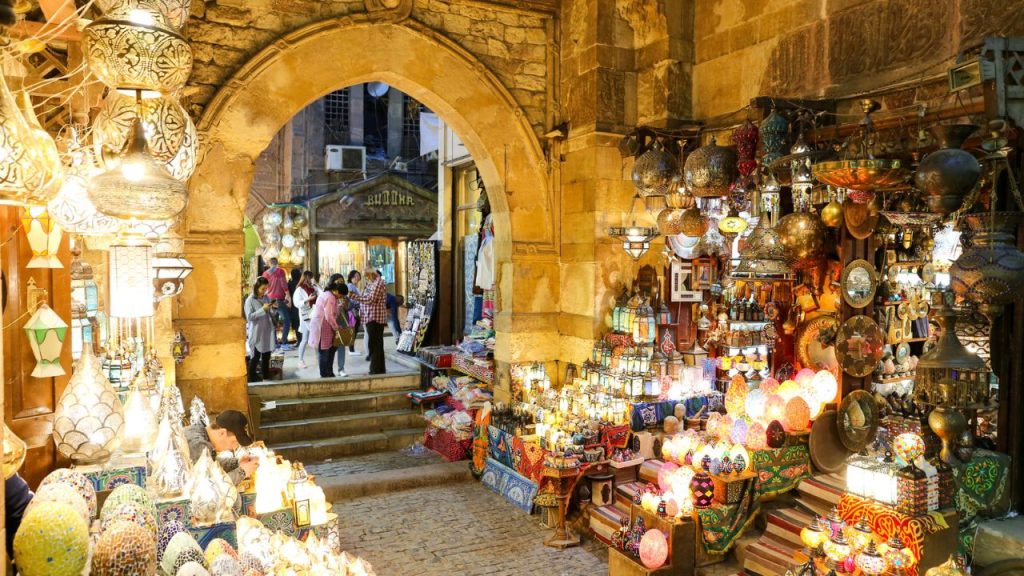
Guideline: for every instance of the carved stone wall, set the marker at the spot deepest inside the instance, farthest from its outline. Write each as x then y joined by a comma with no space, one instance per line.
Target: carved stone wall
831,48
513,44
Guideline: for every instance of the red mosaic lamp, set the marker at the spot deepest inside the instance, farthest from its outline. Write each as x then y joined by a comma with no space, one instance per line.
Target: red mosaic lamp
703,488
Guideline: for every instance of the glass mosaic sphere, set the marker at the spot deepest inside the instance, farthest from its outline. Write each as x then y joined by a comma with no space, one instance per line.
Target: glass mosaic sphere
769,385
130,493
192,568
798,414
63,493
756,438
78,481
53,540
219,547
653,549
167,531
128,512
826,386
225,566
908,447
181,549
124,549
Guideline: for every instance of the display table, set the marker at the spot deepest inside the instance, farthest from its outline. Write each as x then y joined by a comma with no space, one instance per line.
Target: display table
563,480
934,533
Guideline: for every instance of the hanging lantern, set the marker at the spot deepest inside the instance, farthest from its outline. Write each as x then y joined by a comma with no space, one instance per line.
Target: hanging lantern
636,237
656,171
167,125
22,172
81,329
131,292
46,333
179,348
45,151
130,49
72,208
169,273
176,11
990,272
44,236
710,171
139,187
83,287
89,418
14,452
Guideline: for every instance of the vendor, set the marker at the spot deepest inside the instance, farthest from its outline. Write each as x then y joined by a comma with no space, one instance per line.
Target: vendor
226,432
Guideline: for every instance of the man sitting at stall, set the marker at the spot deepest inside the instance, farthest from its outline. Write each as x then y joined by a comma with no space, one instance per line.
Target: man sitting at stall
226,432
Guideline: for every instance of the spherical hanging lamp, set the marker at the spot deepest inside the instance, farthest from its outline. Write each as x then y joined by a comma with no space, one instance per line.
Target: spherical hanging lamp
164,120
656,171
89,417
176,11
710,171
139,187
71,208
132,49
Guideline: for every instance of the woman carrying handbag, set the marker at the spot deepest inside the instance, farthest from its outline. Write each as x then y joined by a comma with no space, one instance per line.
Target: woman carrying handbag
323,325
345,335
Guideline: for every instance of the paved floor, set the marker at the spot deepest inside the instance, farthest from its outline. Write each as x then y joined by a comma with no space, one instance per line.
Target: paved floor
370,463
462,529
355,362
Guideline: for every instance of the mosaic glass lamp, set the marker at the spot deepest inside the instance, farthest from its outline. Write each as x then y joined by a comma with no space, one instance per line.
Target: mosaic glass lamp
53,540
89,417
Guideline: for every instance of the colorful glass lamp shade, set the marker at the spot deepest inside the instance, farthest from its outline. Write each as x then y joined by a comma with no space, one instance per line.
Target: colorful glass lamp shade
870,561
654,549
44,236
139,187
908,447
131,291
46,333
169,273
813,535
130,49
89,417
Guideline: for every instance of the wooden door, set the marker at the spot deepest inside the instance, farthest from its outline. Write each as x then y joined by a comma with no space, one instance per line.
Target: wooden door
29,402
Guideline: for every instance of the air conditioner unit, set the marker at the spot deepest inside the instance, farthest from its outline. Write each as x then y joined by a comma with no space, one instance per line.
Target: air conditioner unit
401,166
345,158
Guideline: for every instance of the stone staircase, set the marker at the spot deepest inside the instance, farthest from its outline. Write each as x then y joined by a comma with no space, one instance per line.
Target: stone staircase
316,420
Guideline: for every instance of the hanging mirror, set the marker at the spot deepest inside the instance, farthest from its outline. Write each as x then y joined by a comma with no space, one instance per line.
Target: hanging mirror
859,283
857,420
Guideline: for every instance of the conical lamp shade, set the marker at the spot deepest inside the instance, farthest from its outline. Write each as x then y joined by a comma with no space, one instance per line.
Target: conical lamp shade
169,461
46,333
45,151
139,187
89,418
21,174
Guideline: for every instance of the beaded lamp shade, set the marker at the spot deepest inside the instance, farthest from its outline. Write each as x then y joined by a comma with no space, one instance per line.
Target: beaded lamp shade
130,49
89,417
167,125
140,187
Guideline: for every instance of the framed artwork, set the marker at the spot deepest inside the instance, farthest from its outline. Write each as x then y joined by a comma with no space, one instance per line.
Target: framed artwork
684,287
703,274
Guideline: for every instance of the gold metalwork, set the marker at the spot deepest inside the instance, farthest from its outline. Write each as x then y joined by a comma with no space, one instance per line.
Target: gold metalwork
859,345
858,283
858,420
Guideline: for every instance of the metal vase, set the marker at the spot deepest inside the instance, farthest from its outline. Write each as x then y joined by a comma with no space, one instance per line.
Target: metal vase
947,175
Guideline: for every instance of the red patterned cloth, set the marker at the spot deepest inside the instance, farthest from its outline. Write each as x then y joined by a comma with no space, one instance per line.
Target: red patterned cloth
529,458
886,521
444,443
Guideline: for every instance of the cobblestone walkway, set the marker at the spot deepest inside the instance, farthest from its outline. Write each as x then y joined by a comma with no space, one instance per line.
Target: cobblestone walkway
457,530
370,463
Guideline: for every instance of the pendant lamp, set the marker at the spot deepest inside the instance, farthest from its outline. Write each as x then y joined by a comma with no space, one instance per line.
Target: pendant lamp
22,176
44,236
89,417
46,333
167,125
45,151
139,187
71,208
131,291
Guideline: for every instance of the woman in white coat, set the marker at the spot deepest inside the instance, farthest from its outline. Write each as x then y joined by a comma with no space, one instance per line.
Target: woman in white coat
304,299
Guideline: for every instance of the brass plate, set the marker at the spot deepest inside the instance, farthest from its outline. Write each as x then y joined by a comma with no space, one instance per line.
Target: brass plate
858,283
857,420
859,346
828,453
809,350
903,311
866,174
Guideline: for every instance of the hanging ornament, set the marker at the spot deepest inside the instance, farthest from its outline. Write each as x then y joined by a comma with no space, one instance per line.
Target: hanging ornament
46,333
166,123
45,151
710,171
656,171
23,175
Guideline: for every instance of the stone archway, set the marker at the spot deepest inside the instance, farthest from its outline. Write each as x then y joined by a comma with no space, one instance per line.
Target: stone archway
285,77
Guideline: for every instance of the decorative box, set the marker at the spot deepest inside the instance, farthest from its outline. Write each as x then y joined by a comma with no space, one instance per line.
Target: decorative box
626,463
625,493
179,509
116,472
248,503
329,532
283,520
204,533
729,487
919,493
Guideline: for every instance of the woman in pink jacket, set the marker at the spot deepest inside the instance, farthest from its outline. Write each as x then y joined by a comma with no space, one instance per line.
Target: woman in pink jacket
324,323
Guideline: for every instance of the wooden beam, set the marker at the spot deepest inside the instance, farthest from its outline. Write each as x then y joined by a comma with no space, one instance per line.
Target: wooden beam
58,12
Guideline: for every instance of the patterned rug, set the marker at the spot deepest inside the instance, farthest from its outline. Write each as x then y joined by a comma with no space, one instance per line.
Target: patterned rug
509,484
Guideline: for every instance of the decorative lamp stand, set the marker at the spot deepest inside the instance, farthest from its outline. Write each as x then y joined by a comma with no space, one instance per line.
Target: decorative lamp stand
564,479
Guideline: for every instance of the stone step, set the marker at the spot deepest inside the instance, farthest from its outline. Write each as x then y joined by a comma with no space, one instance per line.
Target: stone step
319,406
325,448
275,390
309,429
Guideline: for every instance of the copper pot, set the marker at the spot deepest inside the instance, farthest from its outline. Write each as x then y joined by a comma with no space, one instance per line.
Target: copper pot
990,273
679,200
802,236
710,171
947,175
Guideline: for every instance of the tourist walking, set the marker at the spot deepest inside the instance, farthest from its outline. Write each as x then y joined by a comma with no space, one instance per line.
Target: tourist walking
323,324
303,300
259,310
278,292
295,276
374,313
354,278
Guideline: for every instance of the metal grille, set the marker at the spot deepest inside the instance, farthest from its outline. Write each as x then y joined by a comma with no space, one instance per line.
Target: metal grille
411,129
336,117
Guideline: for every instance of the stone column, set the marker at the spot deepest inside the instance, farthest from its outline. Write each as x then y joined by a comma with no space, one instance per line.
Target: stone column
396,115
